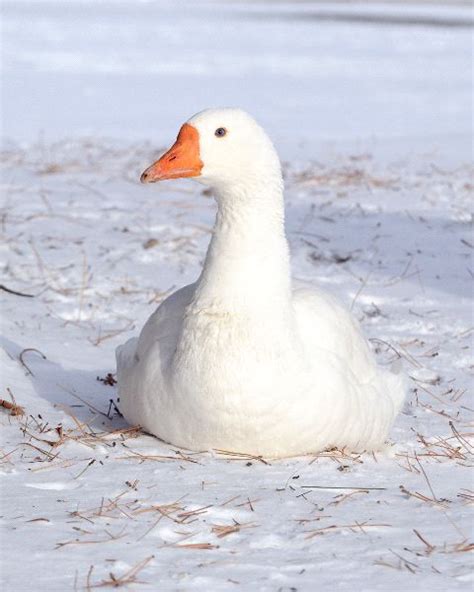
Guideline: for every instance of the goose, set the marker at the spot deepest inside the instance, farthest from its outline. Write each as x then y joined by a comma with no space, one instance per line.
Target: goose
238,360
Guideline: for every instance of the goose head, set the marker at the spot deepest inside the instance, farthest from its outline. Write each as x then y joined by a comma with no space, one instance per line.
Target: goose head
220,148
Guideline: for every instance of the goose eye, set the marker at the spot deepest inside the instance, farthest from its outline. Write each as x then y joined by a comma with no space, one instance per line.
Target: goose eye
220,131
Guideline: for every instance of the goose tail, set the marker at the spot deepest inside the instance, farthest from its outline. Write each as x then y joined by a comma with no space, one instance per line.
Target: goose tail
126,356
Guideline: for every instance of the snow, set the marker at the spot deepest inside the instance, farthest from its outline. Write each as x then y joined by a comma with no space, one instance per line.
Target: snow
138,69
372,122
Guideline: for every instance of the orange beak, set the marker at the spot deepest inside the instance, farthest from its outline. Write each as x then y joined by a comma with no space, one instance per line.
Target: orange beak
181,160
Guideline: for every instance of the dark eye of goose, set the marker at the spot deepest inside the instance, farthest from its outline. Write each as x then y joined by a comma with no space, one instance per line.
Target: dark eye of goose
220,131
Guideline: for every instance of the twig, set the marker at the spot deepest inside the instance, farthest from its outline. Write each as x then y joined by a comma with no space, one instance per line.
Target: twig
240,456
91,462
84,401
430,548
464,443
344,487
15,293
361,288
12,407
223,530
88,580
426,478
199,546
357,525
128,577
30,349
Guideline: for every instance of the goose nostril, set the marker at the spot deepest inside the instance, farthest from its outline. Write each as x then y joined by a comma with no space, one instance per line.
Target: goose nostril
171,158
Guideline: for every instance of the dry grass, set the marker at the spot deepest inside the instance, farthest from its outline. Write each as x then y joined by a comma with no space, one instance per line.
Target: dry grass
47,439
115,581
11,406
223,530
345,176
356,527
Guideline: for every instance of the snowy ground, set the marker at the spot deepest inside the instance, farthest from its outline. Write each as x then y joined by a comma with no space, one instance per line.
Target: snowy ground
379,199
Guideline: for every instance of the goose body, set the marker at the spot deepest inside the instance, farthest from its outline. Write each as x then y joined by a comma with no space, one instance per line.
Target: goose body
238,360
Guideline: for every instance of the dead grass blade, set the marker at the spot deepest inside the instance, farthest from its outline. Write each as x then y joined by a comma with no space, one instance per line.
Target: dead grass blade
223,530
129,577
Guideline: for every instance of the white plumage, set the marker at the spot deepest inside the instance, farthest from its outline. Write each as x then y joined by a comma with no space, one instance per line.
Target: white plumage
239,361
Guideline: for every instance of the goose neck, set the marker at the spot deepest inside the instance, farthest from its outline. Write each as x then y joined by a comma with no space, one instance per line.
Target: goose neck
247,263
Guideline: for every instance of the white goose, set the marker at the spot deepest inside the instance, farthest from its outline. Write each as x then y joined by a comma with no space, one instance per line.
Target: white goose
237,360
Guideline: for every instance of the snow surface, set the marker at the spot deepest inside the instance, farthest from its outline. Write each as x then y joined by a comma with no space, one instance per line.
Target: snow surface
373,125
